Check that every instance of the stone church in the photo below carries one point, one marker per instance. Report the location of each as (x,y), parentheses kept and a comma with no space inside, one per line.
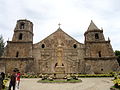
(95,55)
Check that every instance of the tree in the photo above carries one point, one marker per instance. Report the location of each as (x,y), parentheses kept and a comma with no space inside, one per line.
(1,45)
(117,53)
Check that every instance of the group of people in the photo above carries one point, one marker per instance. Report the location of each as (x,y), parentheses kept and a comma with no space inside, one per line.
(14,80)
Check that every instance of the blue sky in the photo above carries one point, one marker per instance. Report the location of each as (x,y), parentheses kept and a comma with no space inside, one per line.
(74,15)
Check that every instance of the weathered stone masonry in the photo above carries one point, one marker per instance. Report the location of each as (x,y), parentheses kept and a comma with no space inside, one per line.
(94,56)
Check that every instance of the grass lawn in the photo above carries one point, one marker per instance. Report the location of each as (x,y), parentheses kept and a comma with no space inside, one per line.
(59,81)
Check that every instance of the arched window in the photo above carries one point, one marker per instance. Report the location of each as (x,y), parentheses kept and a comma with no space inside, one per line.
(17,54)
(75,46)
(43,45)
(22,25)
(102,69)
(20,36)
(96,36)
(99,53)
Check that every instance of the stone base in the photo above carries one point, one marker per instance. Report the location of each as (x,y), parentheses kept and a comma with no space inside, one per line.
(60,69)
(60,75)
(60,72)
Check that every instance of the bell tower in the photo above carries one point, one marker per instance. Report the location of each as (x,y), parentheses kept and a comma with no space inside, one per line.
(22,40)
(99,54)
(93,34)
(96,45)
(23,31)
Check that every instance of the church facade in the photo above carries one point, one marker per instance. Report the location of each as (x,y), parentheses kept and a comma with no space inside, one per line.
(95,55)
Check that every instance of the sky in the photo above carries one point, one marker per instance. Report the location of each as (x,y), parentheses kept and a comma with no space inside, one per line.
(74,16)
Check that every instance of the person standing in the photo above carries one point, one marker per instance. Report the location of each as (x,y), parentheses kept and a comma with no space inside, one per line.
(18,79)
(12,80)
(1,82)
(3,77)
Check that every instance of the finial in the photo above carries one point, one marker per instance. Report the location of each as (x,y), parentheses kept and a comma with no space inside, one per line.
(59,25)
(8,39)
(108,39)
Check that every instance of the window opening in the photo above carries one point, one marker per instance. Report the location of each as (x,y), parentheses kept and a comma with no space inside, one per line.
(96,36)
(102,69)
(75,46)
(17,54)
(43,46)
(22,25)
(99,53)
(20,36)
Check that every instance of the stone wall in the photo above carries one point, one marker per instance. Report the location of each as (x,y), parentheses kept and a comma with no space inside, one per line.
(44,53)
(101,65)
(23,64)
(23,48)
(94,56)
(93,49)
(2,67)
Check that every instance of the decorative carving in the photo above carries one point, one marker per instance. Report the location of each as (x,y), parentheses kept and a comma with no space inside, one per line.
(60,68)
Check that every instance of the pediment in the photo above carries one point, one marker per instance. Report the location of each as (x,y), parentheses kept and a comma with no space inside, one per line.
(59,37)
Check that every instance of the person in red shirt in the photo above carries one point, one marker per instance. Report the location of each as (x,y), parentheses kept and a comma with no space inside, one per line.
(18,79)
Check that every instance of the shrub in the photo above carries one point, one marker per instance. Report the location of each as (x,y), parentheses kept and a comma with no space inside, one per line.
(95,75)
(44,77)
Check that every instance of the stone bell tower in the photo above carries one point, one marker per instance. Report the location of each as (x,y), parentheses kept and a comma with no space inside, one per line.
(18,51)
(21,44)
(23,31)
(96,45)
(99,54)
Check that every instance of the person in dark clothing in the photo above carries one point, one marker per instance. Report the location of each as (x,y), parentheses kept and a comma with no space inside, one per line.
(0,82)
(3,77)
(12,80)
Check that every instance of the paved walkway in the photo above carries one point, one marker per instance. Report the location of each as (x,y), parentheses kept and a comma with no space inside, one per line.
(87,84)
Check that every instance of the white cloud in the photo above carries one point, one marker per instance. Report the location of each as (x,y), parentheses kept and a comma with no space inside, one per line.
(74,15)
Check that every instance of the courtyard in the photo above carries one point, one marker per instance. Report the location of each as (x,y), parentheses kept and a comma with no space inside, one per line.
(87,84)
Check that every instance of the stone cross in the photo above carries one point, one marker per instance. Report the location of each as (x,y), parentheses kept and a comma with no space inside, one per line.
(59,24)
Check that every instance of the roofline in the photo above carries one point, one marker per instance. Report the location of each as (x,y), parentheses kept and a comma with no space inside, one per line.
(55,32)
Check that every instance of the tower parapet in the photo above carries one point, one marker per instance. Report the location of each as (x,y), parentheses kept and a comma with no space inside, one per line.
(23,31)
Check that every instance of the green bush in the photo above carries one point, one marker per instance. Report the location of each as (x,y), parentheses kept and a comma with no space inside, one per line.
(116,81)
(74,76)
(95,75)
(29,76)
